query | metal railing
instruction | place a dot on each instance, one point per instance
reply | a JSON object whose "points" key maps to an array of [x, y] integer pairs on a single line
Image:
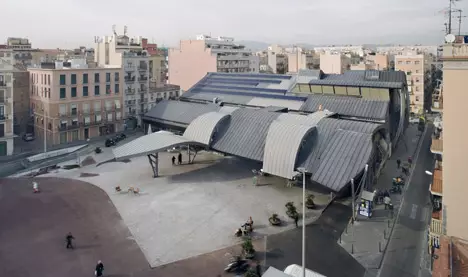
{"points": [[437, 226]]}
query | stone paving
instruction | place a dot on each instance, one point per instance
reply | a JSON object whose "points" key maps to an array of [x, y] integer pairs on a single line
{"points": [[192, 208], [368, 237]]}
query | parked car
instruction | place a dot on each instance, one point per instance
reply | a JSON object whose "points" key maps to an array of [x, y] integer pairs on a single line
{"points": [[110, 142], [119, 137], [28, 137]]}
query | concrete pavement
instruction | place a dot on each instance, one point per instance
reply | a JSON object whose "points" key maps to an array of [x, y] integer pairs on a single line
{"points": [[408, 243]]}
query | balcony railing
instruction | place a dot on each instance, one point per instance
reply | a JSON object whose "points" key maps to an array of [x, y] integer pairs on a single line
{"points": [[68, 127], [129, 80], [143, 79], [437, 226], [3, 84], [142, 68], [129, 68], [130, 91], [3, 117]]}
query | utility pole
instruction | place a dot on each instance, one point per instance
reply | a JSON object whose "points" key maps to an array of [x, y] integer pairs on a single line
{"points": [[459, 20]]}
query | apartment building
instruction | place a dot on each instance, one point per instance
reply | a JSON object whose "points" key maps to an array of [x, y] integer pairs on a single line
{"points": [[301, 59], [128, 53], [418, 71], [195, 58], [334, 63], [405, 49], [71, 101], [22, 121], [6, 102], [358, 50]]}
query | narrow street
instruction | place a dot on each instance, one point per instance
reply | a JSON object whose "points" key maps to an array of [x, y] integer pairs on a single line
{"points": [[407, 243]]}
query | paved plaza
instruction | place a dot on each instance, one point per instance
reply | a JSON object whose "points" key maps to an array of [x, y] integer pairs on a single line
{"points": [[192, 209]]}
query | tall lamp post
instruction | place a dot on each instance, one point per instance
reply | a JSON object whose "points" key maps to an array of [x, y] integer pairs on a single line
{"points": [[303, 171]]}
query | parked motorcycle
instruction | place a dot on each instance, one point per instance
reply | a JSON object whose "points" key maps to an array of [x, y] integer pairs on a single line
{"points": [[237, 265], [98, 150], [110, 142]]}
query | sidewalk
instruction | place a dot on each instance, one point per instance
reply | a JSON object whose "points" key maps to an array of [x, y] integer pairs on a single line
{"points": [[368, 237]]}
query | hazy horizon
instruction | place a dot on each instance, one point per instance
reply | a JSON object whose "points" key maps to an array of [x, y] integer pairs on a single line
{"points": [[71, 23]]}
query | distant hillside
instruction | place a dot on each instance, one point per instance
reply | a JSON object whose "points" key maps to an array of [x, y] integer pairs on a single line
{"points": [[254, 45]]}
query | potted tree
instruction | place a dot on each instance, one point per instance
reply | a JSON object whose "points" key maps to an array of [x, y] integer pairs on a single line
{"points": [[310, 204], [248, 249], [274, 220], [291, 210]]}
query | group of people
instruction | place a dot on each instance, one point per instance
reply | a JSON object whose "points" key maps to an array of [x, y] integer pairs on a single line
{"points": [[179, 159], [248, 228], [99, 269]]}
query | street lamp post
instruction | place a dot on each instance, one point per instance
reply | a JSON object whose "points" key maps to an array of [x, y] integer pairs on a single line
{"points": [[303, 171]]}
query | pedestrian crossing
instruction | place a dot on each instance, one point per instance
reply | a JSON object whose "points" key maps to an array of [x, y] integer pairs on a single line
{"points": [[418, 212]]}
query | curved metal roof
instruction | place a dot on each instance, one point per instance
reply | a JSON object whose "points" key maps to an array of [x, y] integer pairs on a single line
{"points": [[179, 111], [282, 145], [245, 134], [202, 128], [150, 144]]}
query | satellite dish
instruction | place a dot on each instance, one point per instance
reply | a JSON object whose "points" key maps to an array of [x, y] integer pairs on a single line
{"points": [[450, 38]]}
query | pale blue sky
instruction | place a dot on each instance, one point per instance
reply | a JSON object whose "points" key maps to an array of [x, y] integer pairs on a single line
{"points": [[69, 23]]}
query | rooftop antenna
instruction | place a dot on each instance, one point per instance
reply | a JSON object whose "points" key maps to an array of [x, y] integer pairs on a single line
{"points": [[451, 2], [459, 20], [113, 29], [125, 30]]}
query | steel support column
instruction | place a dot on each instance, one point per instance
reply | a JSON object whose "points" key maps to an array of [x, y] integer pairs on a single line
{"points": [[154, 161]]}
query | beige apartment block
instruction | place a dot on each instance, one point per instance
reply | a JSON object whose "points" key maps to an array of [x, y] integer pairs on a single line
{"points": [[455, 148], [157, 69], [73, 102], [334, 63], [6, 102], [417, 68], [195, 58], [378, 61], [306, 60]]}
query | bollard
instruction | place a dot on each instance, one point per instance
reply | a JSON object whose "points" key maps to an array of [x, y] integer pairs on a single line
{"points": [[380, 247], [352, 248], [385, 234]]}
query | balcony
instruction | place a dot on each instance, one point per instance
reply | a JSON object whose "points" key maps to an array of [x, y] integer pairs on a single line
{"points": [[437, 226], [86, 112], [3, 117], [3, 84], [455, 52], [437, 146], [129, 79], [143, 68], [66, 127], [143, 79], [437, 184], [129, 68], [129, 91]]}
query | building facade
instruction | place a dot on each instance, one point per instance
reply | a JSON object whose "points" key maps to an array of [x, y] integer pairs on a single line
{"points": [[334, 63], [128, 53], [418, 71], [72, 102], [195, 58], [6, 102], [22, 122]]}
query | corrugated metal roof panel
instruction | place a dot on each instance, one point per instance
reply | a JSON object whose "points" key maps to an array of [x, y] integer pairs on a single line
{"points": [[236, 99], [179, 111], [348, 106], [149, 144], [227, 109], [282, 145], [202, 128], [245, 135], [344, 157], [265, 102]]}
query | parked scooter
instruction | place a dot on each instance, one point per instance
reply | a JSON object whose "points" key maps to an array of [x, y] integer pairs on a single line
{"points": [[98, 150], [237, 265]]}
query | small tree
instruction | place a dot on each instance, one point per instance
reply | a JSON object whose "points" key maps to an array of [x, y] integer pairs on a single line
{"points": [[251, 273], [247, 246]]}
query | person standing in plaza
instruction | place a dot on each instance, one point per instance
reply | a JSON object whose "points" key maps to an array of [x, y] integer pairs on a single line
{"points": [[410, 161], [69, 239], [99, 271], [179, 158], [296, 220], [173, 160], [398, 162]]}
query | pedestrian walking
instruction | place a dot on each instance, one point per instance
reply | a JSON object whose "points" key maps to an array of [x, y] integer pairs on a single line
{"points": [[173, 160], [387, 202], [179, 158], [99, 271], [296, 220], [69, 239], [398, 162], [410, 161]]}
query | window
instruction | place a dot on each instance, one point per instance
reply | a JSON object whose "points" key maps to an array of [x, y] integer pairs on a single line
{"points": [[108, 75], [85, 108], [116, 88], [48, 92], [74, 135], [63, 79], [417, 62], [63, 109], [108, 89], [63, 137], [417, 88], [87, 119], [2, 111], [96, 90], [417, 80], [417, 71], [73, 79], [63, 93], [400, 62], [116, 77], [108, 105], [417, 99], [73, 92], [117, 104], [118, 115], [408, 62], [96, 78], [97, 106], [85, 78], [97, 118], [85, 91], [48, 79], [109, 117], [73, 109]]}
